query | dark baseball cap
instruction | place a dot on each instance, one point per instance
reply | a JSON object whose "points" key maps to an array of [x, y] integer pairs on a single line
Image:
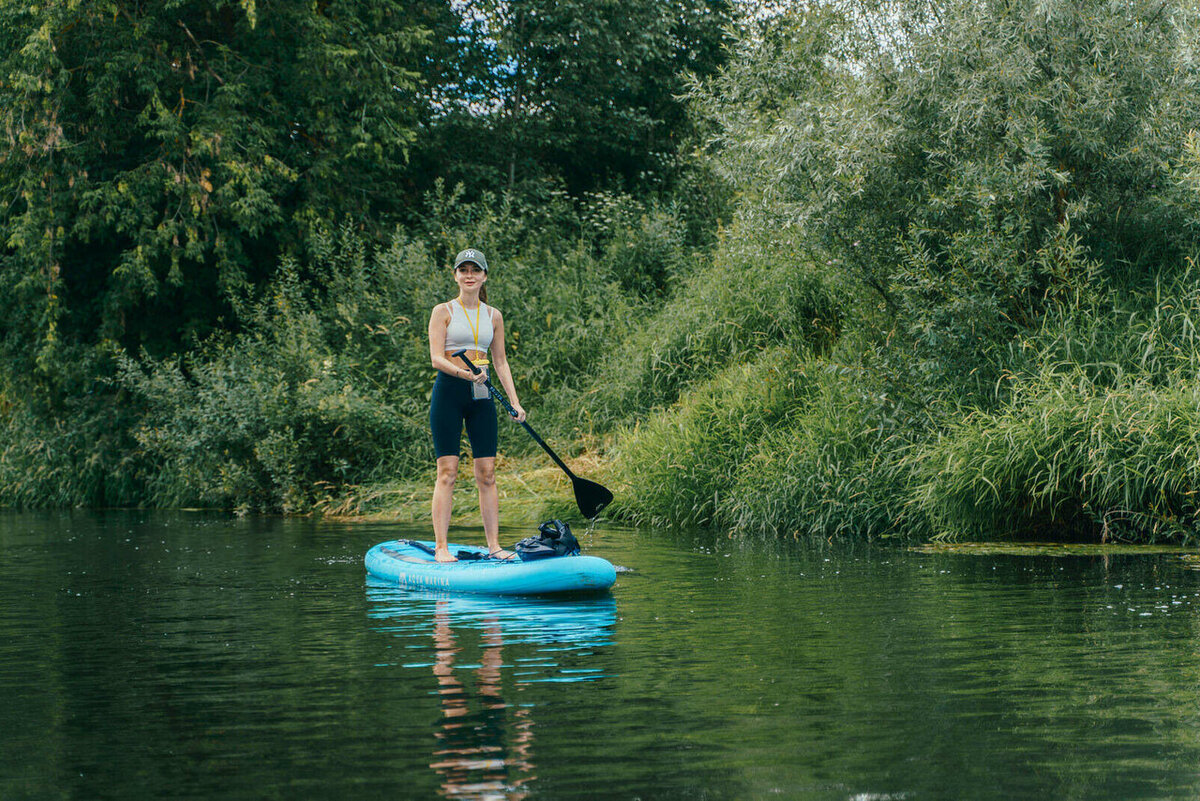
{"points": [[471, 255]]}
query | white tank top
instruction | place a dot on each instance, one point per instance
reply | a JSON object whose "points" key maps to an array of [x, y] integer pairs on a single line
{"points": [[464, 325]]}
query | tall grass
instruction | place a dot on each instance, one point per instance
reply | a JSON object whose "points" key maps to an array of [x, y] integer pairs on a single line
{"points": [[1100, 435], [1094, 433], [789, 444], [831, 469], [1070, 458], [677, 466], [754, 296]]}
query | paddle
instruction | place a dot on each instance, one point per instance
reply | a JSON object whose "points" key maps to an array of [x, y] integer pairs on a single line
{"points": [[589, 496]]}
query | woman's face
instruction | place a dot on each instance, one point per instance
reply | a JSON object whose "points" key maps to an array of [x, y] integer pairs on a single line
{"points": [[469, 276]]}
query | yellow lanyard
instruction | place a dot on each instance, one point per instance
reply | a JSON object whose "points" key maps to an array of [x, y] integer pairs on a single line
{"points": [[475, 329]]}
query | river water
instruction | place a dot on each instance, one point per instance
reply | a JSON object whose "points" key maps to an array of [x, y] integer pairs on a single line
{"points": [[195, 656]]}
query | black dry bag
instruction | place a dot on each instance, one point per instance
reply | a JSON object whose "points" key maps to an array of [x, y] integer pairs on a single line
{"points": [[554, 539]]}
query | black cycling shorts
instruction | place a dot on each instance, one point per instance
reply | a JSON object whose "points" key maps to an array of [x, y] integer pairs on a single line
{"points": [[450, 407]]}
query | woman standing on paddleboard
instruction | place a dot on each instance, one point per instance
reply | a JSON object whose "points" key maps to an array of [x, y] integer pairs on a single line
{"points": [[460, 397]]}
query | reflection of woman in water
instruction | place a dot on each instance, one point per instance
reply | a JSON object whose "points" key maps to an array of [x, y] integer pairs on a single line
{"points": [[471, 753]]}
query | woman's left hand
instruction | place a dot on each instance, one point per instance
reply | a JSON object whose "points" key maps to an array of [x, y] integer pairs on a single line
{"points": [[520, 418]]}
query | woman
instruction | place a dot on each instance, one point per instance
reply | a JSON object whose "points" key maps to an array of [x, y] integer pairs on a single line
{"points": [[460, 397]]}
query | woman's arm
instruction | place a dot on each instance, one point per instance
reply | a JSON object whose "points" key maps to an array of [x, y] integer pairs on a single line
{"points": [[438, 321], [500, 364]]}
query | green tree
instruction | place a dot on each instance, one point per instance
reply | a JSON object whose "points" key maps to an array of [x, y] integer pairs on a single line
{"points": [[581, 90], [162, 155], [968, 162]]}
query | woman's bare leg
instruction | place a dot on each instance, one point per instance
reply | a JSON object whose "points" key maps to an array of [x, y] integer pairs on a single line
{"points": [[443, 504], [489, 504]]}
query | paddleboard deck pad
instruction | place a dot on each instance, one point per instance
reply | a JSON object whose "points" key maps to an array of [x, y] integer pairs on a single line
{"points": [[411, 564]]}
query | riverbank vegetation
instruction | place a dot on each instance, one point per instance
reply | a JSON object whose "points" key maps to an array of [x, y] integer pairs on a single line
{"points": [[1006, 197], [870, 269]]}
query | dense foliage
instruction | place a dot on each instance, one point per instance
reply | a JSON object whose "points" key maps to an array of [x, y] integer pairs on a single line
{"points": [[1007, 193], [162, 156], [165, 159], [584, 88], [328, 383], [976, 162], [896, 267]]}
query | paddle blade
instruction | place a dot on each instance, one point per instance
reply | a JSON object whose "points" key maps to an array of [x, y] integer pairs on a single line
{"points": [[590, 497]]}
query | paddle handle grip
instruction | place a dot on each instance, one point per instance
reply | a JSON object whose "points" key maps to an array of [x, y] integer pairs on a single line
{"points": [[462, 354]]}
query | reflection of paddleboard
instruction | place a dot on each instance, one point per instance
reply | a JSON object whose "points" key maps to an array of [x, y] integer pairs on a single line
{"points": [[412, 565], [570, 623]]}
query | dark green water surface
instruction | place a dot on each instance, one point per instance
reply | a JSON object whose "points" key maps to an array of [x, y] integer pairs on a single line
{"points": [[193, 656]]}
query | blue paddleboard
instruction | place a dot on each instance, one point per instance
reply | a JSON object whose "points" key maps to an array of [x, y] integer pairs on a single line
{"points": [[412, 565]]}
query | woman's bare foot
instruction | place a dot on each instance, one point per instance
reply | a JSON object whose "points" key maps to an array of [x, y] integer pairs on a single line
{"points": [[443, 555], [502, 555]]}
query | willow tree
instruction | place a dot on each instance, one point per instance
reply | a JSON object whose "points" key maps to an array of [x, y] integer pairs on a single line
{"points": [[161, 155], [968, 163]]}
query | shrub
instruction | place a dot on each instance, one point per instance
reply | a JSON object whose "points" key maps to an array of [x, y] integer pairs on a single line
{"points": [[76, 452], [260, 420], [831, 468], [326, 384], [1100, 435], [753, 297], [1070, 457], [679, 464]]}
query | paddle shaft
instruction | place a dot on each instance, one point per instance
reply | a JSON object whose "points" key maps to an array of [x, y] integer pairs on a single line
{"points": [[487, 382]]}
